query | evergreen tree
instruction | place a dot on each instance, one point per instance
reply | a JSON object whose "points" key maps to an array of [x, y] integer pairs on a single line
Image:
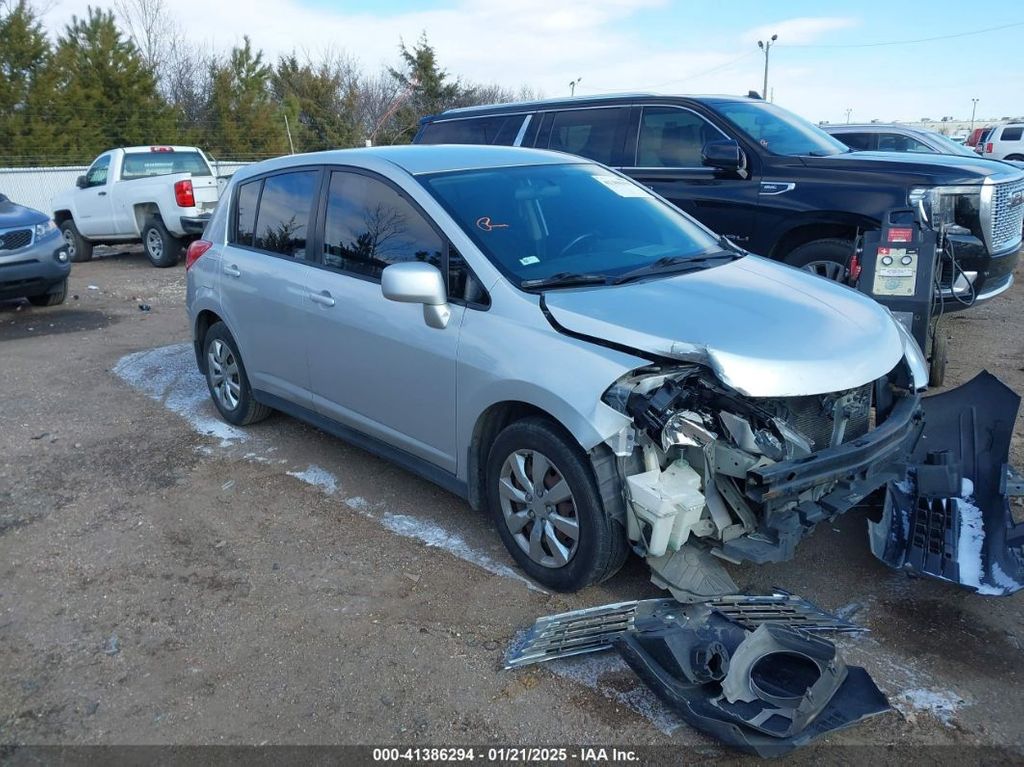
{"points": [[320, 102], [426, 89], [24, 55]]}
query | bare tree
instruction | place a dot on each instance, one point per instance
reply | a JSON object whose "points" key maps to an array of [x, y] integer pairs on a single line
{"points": [[150, 27]]}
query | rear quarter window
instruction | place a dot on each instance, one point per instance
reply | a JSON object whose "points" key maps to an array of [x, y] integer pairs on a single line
{"points": [[1012, 134], [245, 212], [477, 130]]}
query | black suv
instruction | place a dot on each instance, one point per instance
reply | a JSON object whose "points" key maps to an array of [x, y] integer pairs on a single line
{"points": [[771, 181]]}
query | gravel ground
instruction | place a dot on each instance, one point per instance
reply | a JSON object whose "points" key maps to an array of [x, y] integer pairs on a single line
{"points": [[165, 579]]}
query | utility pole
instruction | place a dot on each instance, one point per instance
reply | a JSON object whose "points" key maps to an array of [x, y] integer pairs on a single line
{"points": [[766, 45], [289, 132], [849, 111], [974, 107], [572, 86]]}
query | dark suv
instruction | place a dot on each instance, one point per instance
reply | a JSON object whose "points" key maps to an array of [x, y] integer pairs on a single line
{"points": [[771, 181]]}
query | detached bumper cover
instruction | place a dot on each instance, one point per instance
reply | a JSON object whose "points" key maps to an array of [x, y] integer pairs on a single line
{"points": [[951, 518]]}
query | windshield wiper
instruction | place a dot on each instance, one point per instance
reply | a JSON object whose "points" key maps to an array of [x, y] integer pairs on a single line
{"points": [[677, 264], [564, 280]]}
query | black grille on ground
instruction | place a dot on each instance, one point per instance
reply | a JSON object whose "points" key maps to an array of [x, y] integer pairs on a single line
{"points": [[14, 239]]}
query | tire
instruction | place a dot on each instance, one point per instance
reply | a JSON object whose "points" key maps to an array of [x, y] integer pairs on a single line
{"points": [[162, 248], [559, 561], [937, 361], [53, 298], [1017, 157], [79, 248], [828, 258], [227, 380]]}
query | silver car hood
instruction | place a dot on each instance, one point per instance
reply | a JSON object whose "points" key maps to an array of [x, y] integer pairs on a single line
{"points": [[765, 329]]}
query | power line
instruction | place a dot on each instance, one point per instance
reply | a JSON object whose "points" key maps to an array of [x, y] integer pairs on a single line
{"points": [[912, 42]]}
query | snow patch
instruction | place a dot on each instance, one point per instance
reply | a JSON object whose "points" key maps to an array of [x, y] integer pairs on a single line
{"points": [[942, 705], [169, 376], [358, 503], [318, 477]]}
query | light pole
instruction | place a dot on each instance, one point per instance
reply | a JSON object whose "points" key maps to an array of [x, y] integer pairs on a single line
{"points": [[974, 107], [572, 86], [849, 111], [766, 46]]}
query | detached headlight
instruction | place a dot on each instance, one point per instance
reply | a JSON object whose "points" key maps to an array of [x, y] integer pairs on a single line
{"points": [[45, 230], [942, 207]]}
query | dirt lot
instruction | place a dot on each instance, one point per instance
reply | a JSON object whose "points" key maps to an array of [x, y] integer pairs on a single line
{"points": [[159, 584]]}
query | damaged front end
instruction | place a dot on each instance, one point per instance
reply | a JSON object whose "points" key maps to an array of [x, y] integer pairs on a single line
{"points": [[713, 476]]}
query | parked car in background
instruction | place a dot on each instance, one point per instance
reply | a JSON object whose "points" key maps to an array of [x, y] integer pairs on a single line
{"points": [[159, 195], [1004, 142], [769, 180], [34, 261], [550, 340], [900, 138]]}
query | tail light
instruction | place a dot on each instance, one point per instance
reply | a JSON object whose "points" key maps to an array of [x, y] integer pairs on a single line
{"points": [[988, 148], [195, 250], [184, 196]]}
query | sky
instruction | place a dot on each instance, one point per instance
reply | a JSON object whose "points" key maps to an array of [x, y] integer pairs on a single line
{"points": [[828, 58]]}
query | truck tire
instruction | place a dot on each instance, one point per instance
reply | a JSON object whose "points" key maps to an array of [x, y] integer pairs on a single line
{"points": [[162, 248], [937, 361], [53, 298], [828, 258], [79, 248]]}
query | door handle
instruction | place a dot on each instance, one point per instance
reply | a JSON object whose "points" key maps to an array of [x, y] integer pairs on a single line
{"points": [[323, 298], [232, 271], [102, 194]]}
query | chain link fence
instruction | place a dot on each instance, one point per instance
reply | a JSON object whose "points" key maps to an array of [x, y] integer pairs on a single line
{"points": [[35, 187]]}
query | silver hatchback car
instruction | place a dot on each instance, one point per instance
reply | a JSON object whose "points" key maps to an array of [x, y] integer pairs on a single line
{"points": [[557, 345]]}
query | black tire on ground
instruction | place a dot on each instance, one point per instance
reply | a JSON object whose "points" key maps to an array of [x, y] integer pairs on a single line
{"points": [[601, 546], [1017, 157], [79, 248], [53, 298], [162, 248], [937, 361], [227, 380], [828, 258]]}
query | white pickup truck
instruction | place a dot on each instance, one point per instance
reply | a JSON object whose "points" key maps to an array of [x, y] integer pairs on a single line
{"points": [[161, 195]]}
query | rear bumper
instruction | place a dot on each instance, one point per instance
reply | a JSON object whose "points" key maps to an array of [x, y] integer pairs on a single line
{"points": [[194, 225], [34, 270]]}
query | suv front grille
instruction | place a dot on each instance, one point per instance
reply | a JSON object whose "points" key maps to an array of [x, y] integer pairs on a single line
{"points": [[1007, 215], [14, 239]]}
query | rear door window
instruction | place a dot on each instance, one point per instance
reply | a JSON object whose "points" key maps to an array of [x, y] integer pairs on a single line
{"points": [[245, 212], [477, 130], [897, 142], [673, 138], [594, 133], [282, 223]]}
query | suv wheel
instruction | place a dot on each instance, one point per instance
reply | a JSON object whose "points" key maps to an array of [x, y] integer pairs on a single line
{"points": [[54, 297], [226, 378], [828, 258], [544, 500], [79, 248], [162, 248]]}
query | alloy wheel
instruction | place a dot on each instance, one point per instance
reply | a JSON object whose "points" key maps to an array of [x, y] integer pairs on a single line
{"points": [[154, 244], [539, 508], [830, 270], [224, 376], [69, 241]]}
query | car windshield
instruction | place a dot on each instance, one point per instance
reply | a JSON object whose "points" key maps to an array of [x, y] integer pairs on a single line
{"points": [[779, 131], [542, 222]]}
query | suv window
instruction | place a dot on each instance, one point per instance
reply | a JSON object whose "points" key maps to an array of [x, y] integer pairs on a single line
{"points": [[369, 226], [245, 212], [594, 133], [97, 174], [283, 219], [1011, 134], [897, 142], [862, 142], [673, 138], [476, 130]]}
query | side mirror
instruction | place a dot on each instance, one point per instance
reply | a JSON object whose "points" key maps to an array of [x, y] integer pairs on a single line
{"points": [[723, 154], [82, 182], [415, 282]]}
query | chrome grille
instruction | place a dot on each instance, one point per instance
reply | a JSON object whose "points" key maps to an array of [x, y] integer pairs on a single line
{"points": [[13, 239], [1007, 215]]}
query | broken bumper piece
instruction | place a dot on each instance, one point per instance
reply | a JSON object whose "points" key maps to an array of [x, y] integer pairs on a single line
{"points": [[951, 519], [745, 669]]}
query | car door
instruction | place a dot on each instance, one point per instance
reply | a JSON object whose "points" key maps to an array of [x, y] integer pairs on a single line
{"points": [[374, 364], [94, 213], [667, 159], [265, 273]]}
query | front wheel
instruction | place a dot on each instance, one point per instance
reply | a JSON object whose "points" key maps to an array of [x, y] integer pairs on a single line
{"points": [[227, 380], [79, 248], [544, 501], [828, 258], [162, 248], [54, 297]]}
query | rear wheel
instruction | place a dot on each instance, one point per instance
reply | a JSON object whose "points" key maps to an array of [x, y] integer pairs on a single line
{"points": [[545, 503], [79, 248], [162, 248], [53, 298], [937, 362], [227, 380], [828, 258]]}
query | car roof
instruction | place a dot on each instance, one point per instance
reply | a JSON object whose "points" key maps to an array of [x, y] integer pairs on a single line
{"points": [[583, 101], [417, 159], [877, 127]]}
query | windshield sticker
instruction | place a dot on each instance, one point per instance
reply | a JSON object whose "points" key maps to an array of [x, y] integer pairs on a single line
{"points": [[485, 223], [621, 186], [529, 261]]}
